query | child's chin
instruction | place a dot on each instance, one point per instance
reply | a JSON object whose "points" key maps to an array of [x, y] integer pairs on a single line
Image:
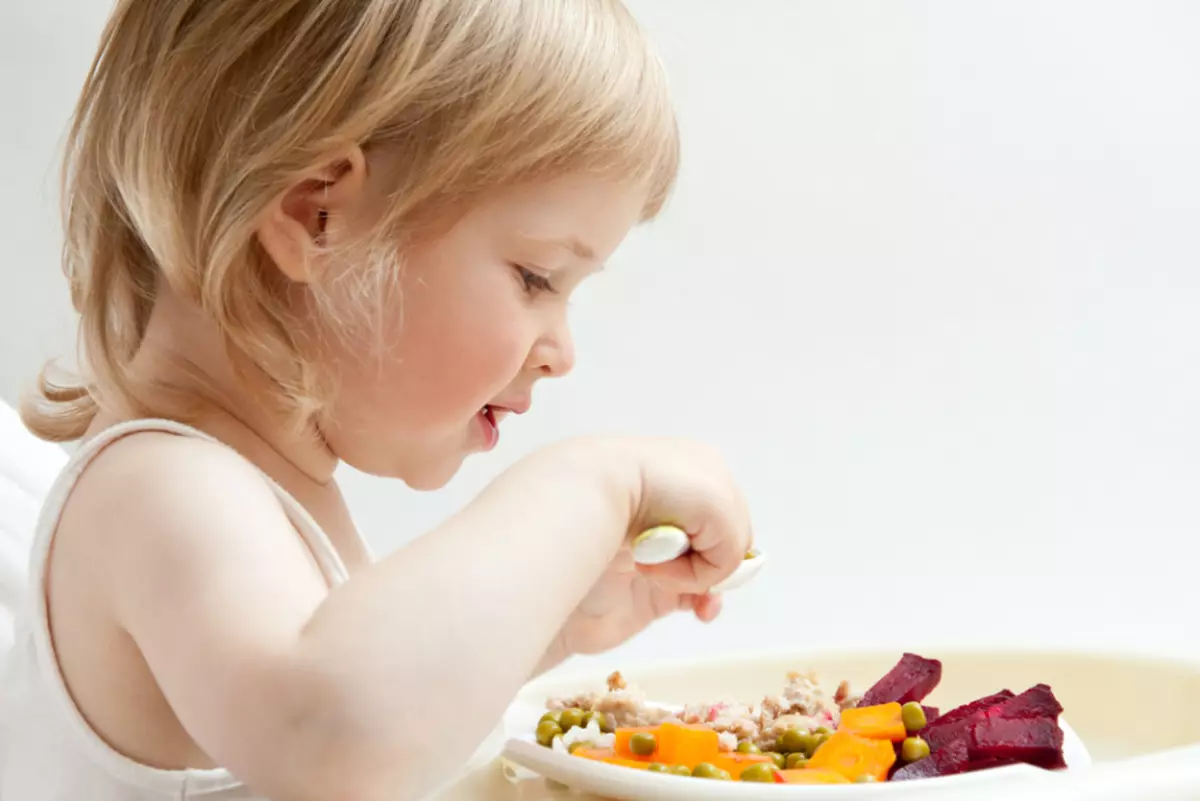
{"points": [[432, 476], [428, 474], [427, 485]]}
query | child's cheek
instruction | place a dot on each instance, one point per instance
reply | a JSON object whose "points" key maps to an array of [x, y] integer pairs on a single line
{"points": [[451, 367]]}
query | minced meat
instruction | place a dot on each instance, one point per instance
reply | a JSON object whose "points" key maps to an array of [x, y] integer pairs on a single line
{"points": [[803, 704]]}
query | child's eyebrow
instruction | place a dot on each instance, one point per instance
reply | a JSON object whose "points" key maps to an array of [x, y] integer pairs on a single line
{"points": [[569, 243]]}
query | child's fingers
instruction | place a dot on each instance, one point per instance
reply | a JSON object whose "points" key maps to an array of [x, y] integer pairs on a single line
{"points": [[706, 607], [679, 574], [719, 545], [693, 572]]}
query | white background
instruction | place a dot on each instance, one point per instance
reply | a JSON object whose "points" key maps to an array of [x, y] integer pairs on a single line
{"points": [[931, 279]]}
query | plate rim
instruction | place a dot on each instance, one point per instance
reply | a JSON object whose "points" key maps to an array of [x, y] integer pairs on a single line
{"points": [[568, 672]]}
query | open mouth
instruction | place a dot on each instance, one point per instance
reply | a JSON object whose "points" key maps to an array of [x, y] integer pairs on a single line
{"points": [[489, 424], [489, 414]]}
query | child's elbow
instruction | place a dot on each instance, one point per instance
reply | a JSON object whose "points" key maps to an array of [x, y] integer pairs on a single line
{"points": [[334, 746], [339, 773]]}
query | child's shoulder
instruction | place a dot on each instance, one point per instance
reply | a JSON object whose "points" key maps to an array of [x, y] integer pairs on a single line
{"points": [[155, 495], [150, 470]]}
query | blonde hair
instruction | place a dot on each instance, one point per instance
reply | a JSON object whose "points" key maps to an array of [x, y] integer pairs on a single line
{"points": [[196, 114]]}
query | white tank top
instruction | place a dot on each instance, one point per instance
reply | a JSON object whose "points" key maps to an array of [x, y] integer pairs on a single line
{"points": [[48, 752]]}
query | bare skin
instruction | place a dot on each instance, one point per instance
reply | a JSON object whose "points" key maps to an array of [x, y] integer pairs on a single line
{"points": [[193, 626]]}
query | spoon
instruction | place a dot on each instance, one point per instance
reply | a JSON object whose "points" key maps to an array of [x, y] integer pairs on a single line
{"points": [[660, 544]]}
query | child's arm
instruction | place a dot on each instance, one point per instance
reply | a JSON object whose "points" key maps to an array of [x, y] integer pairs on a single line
{"points": [[388, 683]]}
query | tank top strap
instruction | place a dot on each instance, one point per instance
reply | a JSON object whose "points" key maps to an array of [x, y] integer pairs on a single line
{"points": [[314, 537]]}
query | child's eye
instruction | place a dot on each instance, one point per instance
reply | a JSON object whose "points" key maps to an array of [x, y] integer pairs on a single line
{"points": [[534, 282]]}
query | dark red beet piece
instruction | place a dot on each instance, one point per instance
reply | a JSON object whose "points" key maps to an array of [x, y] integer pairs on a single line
{"points": [[931, 713], [1036, 702], [1037, 741], [967, 710], [991, 732], [913, 678], [957, 722], [946, 762], [989, 763], [941, 736]]}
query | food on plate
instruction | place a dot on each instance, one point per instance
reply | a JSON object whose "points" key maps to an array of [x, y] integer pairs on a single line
{"points": [[707, 770], [913, 749], [913, 678], [806, 735], [802, 706], [999, 729], [883, 722], [813, 776], [914, 716], [736, 764], [855, 757]]}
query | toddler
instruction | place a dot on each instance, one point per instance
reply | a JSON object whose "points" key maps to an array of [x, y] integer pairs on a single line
{"points": [[306, 232]]}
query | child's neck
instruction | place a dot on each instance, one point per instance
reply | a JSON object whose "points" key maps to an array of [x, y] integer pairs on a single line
{"points": [[183, 350]]}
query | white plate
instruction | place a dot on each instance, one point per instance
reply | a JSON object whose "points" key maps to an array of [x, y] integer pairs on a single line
{"points": [[627, 784]]}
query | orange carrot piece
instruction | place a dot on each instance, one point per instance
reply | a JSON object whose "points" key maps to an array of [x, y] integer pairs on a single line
{"points": [[682, 744], [677, 744], [623, 736], [812, 776], [881, 722], [854, 756], [597, 754]]}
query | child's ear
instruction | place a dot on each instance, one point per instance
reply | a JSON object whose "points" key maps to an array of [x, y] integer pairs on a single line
{"points": [[298, 224]]}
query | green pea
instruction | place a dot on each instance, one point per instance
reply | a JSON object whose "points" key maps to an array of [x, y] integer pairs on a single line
{"points": [[547, 730], [914, 749], [779, 759], [570, 718], [707, 770], [681, 770], [793, 741], [747, 747], [554, 715], [913, 716], [761, 772], [809, 743], [643, 744], [657, 767], [573, 747], [796, 761], [822, 730], [607, 722]]}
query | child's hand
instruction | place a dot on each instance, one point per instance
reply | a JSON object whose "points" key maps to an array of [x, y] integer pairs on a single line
{"points": [[676, 482]]}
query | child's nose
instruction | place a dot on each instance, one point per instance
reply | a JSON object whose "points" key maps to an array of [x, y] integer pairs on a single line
{"points": [[554, 355]]}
